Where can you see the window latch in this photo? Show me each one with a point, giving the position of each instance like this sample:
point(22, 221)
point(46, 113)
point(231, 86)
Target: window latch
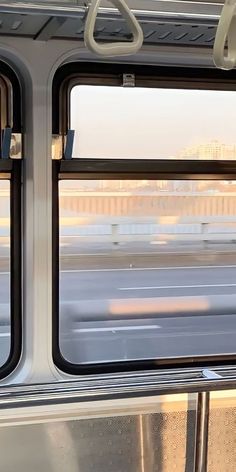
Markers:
point(128, 80)
point(62, 145)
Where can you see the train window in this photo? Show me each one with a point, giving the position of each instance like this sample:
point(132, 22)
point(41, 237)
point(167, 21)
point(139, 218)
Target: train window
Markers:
point(5, 270)
point(10, 220)
point(146, 268)
point(144, 255)
point(179, 124)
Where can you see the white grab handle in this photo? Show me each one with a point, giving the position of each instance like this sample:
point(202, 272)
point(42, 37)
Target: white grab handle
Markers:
point(118, 48)
point(226, 30)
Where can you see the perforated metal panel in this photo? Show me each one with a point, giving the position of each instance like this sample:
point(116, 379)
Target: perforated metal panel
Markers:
point(141, 443)
point(222, 436)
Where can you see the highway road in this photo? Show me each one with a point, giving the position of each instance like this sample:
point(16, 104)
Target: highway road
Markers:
point(111, 282)
point(150, 338)
point(89, 290)
point(95, 284)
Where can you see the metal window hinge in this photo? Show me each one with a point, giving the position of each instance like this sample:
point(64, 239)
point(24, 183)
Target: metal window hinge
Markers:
point(11, 144)
point(16, 151)
point(62, 145)
point(128, 80)
point(57, 146)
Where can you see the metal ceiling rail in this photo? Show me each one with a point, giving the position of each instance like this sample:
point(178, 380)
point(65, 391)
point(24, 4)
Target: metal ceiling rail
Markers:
point(163, 8)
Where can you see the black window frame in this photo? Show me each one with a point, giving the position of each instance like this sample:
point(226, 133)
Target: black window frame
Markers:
point(88, 168)
point(12, 169)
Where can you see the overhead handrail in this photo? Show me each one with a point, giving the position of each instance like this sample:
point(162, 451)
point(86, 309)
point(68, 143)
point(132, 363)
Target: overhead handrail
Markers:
point(226, 32)
point(116, 48)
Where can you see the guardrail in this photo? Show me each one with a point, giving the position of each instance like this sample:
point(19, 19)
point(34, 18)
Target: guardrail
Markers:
point(144, 229)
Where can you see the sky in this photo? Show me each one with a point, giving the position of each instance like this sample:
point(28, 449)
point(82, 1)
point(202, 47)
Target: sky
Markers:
point(149, 123)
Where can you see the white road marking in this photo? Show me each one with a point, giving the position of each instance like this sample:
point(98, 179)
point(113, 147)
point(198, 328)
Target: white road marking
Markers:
point(118, 328)
point(196, 333)
point(160, 334)
point(136, 269)
point(64, 254)
point(176, 286)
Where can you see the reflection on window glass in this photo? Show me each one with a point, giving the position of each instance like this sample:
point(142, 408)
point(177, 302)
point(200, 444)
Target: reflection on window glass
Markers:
point(158, 282)
point(4, 271)
point(117, 122)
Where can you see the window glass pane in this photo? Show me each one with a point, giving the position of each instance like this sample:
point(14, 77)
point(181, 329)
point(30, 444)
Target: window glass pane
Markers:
point(117, 122)
point(158, 282)
point(4, 271)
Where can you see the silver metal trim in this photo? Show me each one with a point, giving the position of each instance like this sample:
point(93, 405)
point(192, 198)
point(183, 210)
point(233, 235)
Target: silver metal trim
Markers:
point(210, 374)
point(201, 435)
point(108, 388)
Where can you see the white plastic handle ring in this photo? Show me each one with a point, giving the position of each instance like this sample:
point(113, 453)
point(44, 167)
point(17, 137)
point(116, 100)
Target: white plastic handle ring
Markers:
point(226, 30)
point(118, 48)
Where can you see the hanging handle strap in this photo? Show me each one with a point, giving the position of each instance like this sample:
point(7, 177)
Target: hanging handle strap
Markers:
point(116, 48)
point(226, 30)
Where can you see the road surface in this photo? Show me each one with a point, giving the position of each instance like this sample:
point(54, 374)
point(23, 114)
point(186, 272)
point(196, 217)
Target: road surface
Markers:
point(89, 280)
point(95, 284)
point(161, 338)
point(101, 341)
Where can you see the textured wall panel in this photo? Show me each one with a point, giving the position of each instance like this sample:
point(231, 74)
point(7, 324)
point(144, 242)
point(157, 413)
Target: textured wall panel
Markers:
point(141, 443)
point(222, 436)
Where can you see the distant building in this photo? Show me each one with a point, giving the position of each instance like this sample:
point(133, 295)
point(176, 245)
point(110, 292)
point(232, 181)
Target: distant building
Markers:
point(214, 150)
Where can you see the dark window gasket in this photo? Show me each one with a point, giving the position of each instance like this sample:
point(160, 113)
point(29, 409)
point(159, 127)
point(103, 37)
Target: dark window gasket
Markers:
point(13, 89)
point(77, 168)
point(74, 73)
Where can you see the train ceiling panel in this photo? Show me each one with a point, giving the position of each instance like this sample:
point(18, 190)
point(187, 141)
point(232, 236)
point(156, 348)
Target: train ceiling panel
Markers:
point(23, 25)
point(163, 22)
point(158, 32)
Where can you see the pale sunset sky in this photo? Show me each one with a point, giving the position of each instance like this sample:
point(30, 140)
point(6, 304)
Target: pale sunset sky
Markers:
point(152, 123)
